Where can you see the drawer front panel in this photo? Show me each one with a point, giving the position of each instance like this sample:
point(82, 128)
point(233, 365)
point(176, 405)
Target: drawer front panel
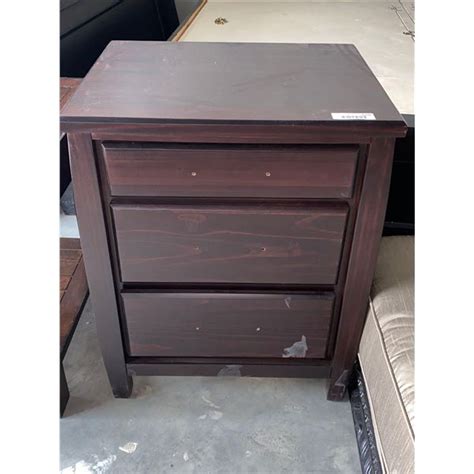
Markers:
point(267, 172)
point(228, 324)
point(244, 244)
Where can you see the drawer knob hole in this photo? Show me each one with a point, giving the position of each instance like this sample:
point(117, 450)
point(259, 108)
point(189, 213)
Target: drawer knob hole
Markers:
point(268, 174)
point(194, 173)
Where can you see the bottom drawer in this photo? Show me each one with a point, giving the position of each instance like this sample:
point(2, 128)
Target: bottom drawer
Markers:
point(198, 324)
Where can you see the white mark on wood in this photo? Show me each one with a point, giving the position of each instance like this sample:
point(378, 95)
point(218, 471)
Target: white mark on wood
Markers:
point(298, 349)
point(186, 456)
point(288, 302)
point(129, 447)
point(248, 454)
point(258, 329)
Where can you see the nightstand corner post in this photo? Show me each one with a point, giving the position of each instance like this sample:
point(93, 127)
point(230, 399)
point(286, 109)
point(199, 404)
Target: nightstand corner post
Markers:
point(367, 234)
point(95, 246)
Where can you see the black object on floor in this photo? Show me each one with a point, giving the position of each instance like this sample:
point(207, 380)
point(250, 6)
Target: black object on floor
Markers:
point(365, 435)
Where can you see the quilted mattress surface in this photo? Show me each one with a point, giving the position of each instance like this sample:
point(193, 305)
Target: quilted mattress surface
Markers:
point(386, 354)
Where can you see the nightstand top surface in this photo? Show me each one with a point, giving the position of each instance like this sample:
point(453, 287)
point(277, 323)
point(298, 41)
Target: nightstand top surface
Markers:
point(238, 82)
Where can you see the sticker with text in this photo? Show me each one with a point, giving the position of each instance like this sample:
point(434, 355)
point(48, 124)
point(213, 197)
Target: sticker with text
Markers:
point(352, 116)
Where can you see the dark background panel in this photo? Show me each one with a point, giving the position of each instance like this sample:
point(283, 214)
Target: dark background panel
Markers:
point(87, 26)
point(400, 216)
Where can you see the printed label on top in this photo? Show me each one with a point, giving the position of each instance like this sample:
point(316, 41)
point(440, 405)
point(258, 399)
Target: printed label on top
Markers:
point(352, 116)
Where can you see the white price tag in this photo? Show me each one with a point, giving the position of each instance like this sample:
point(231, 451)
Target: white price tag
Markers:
point(352, 116)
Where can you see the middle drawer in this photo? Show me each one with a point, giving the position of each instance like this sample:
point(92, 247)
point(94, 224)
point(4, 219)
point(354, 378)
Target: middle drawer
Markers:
point(230, 244)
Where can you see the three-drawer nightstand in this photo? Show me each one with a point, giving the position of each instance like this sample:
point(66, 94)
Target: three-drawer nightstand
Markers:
point(230, 200)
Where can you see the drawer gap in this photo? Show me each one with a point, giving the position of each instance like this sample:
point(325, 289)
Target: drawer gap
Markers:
point(229, 201)
point(144, 287)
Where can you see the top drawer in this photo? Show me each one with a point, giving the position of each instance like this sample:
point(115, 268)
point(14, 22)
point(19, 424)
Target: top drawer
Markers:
point(230, 171)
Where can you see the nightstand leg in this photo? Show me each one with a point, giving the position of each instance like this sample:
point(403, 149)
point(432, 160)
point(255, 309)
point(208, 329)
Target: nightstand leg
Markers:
point(121, 387)
point(361, 268)
point(338, 385)
point(96, 254)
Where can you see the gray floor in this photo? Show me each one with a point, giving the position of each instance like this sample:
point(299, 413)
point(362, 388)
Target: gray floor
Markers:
point(199, 424)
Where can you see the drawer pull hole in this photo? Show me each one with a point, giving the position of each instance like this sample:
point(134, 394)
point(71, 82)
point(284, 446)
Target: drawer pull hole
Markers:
point(258, 329)
point(268, 174)
point(197, 329)
point(194, 173)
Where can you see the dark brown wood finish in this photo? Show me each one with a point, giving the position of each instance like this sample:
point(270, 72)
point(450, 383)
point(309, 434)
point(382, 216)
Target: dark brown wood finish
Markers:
point(240, 82)
point(363, 257)
point(335, 132)
point(95, 246)
point(200, 177)
point(230, 244)
point(207, 171)
point(228, 324)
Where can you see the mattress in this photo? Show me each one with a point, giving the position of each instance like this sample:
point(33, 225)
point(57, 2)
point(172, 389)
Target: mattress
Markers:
point(386, 354)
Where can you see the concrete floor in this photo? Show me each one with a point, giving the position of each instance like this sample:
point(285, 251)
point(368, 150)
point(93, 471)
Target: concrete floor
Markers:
point(199, 424)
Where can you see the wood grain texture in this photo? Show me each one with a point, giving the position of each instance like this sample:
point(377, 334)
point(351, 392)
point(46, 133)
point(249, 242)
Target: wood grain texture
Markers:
point(228, 324)
point(362, 261)
point(218, 82)
point(230, 244)
point(97, 261)
point(225, 171)
point(73, 290)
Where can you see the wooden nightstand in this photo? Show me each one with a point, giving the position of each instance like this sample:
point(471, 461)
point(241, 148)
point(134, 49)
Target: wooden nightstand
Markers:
point(230, 200)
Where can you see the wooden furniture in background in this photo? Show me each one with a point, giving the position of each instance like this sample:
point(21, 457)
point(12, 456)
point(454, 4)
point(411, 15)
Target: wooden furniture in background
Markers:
point(229, 221)
point(67, 87)
point(73, 293)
